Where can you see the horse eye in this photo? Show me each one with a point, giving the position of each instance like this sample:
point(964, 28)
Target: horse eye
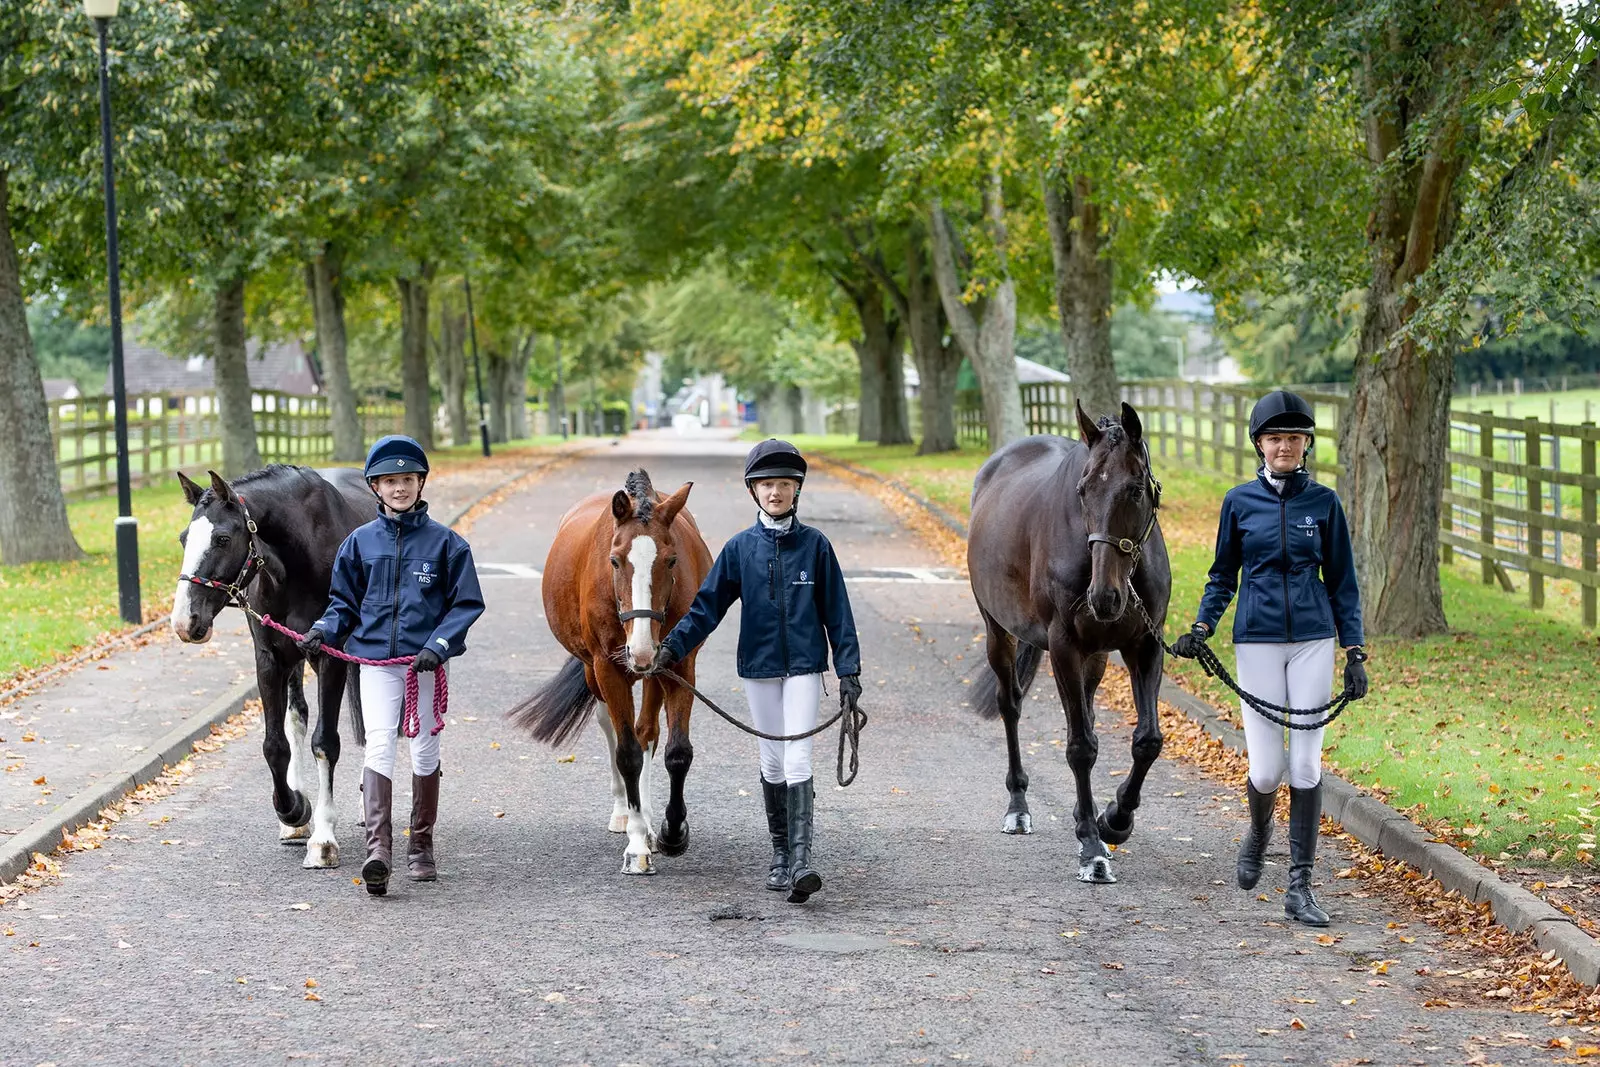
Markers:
point(616, 564)
point(673, 562)
point(222, 540)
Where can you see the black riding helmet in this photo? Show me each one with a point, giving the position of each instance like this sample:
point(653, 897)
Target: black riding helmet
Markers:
point(773, 458)
point(1281, 411)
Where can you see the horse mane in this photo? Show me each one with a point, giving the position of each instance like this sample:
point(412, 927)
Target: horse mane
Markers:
point(1114, 433)
point(643, 493)
point(272, 471)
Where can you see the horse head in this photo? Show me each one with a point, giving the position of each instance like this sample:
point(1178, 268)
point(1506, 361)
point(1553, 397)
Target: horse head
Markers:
point(217, 546)
point(1117, 496)
point(644, 554)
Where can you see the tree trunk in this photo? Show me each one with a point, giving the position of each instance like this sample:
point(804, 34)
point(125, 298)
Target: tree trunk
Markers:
point(558, 394)
point(33, 515)
point(871, 351)
point(414, 389)
point(240, 453)
point(326, 273)
point(517, 389)
point(938, 360)
point(453, 370)
point(985, 330)
point(894, 421)
point(1396, 431)
point(497, 379)
point(1083, 292)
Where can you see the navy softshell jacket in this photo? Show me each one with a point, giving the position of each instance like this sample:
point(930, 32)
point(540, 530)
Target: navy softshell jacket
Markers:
point(795, 605)
point(1293, 553)
point(402, 584)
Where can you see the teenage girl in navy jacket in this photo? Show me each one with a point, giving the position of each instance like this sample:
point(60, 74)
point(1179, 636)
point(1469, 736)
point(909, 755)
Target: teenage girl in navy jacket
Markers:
point(403, 585)
point(1287, 536)
point(795, 607)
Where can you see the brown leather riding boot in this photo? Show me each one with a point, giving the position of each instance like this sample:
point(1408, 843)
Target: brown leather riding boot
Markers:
point(424, 811)
point(377, 797)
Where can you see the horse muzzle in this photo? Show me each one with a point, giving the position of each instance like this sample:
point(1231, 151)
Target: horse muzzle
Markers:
point(191, 630)
point(1108, 604)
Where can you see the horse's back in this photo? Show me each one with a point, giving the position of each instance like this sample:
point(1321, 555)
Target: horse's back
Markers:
point(1018, 467)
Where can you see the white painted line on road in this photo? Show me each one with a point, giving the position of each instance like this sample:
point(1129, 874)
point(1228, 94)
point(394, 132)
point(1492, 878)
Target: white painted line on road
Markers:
point(508, 570)
point(906, 576)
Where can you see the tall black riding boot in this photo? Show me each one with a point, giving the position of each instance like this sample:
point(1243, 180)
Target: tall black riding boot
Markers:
point(1253, 847)
point(1305, 823)
point(377, 795)
point(777, 798)
point(805, 880)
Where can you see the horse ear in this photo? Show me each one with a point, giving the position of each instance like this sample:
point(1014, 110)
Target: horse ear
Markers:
point(1131, 423)
point(191, 492)
point(1086, 427)
point(667, 510)
point(621, 506)
point(220, 486)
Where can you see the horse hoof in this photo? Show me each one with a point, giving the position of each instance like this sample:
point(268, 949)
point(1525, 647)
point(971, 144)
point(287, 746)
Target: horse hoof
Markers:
point(321, 855)
point(638, 865)
point(293, 835)
point(618, 824)
point(1017, 822)
point(1109, 833)
point(1096, 872)
point(674, 845)
point(299, 812)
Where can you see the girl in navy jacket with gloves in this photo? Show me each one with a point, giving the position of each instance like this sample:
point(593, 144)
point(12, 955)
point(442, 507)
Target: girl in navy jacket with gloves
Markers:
point(795, 607)
point(1286, 536)
point(403, 585)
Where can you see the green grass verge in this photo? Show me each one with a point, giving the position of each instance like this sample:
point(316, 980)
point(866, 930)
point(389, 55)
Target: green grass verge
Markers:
point(1488, 732)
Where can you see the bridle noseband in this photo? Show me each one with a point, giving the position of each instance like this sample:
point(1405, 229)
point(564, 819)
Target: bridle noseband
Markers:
point(1126, 545)
point(642, 613)
point(253, 562)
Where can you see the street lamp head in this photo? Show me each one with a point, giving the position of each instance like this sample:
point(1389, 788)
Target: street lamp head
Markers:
point(100, 9)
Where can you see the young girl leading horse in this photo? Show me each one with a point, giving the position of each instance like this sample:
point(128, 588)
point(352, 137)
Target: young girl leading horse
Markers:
point(795, 607)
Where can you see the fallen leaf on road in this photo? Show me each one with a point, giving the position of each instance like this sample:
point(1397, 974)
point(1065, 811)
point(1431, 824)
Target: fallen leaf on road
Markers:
point(1296, 1024)
point(572, 758)
point(1408, 940)
point(1436, 1002)
point(172, 841)
point(313, 996)
point(301, 906)
point(1112, 966)
point(1301, 1000)
point(1382, 966)
point(555, 998)
point(1324, 939)
point(311, 983)
point(499, 814)
point(39, 780)
point(1586, 1050)
point(1072, 933)
point(123, 944)
point(494, 744)
point(1503, 993)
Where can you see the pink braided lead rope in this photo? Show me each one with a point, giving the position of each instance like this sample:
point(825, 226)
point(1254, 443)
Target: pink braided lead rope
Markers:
point(410, 709)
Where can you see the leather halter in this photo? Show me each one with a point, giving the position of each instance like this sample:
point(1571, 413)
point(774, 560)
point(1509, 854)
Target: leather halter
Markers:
point(1126, 545)
point(253, 562)
point(642, 613)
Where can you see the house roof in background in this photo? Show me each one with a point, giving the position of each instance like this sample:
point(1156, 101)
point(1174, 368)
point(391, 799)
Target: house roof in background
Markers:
point(280, 365)
point(1029, 371)
point(60, 389)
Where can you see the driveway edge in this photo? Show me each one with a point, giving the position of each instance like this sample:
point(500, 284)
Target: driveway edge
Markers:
point(1371, 821)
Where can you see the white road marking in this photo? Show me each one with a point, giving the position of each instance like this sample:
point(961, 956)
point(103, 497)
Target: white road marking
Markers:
point(508, 570)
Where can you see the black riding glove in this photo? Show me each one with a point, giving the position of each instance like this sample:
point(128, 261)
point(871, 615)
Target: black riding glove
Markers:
point(1355, 673)
point(665, 658)
point(427, 660)
point(1189, 645)
point(850, 690)
point(311, 643)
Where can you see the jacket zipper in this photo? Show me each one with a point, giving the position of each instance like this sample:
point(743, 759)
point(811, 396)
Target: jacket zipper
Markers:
point(1283, 547)
point(394, 607)
point(783, 609)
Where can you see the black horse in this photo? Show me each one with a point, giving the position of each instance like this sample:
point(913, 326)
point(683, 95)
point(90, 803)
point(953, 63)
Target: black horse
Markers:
point(1066, 556)
point(271, 536)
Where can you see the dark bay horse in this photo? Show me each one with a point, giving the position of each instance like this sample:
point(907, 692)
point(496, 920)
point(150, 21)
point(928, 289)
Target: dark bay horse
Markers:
point(624, 568)
point(1066, 557)
point(271, 536)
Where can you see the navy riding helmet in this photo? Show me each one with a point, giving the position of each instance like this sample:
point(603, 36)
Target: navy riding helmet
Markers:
point(1281, 411)
point(396, 454)
point(773, 458)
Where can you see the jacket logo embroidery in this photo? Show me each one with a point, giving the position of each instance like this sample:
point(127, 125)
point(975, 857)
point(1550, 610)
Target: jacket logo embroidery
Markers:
point(1309, 526)
point(803, 580)
point(425, 575)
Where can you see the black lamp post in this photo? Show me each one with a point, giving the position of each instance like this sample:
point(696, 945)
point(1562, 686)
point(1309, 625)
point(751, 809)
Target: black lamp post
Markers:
point(472, 330)
point(102, 12)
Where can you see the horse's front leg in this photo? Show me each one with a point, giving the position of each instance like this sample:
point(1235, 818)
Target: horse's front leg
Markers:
point(322, 850)
point(279, 746)
point(617, 693)
point(648, 729)
point(1002, 651)
point(1083, 747)
point(1144, 672)
point(679, 755)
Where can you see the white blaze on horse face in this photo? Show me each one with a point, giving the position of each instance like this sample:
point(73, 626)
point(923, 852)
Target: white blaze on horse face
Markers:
point(195, 546)
point(641, 646)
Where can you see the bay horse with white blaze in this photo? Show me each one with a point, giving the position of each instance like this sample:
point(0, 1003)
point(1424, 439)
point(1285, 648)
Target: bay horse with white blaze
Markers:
point(1066, 556)
point(269, 538)
point(624, 568)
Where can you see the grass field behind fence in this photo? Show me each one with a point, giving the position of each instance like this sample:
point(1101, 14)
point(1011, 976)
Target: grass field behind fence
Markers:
point(1489, 732)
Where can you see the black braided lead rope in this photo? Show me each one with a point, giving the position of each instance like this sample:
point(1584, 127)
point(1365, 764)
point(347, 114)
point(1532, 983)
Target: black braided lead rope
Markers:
point(850, 733)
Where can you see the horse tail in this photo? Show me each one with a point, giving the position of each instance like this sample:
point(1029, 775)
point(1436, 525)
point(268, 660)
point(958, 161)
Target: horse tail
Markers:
point(556, 713)
point(986, 692)
point(352, 692)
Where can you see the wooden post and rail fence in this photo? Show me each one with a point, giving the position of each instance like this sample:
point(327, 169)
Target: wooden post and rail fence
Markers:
point(1520, 493)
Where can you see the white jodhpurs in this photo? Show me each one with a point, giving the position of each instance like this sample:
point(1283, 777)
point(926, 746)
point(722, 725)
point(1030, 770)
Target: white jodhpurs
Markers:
point(383, 695)
point(1298, 675)
point(785, 706)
